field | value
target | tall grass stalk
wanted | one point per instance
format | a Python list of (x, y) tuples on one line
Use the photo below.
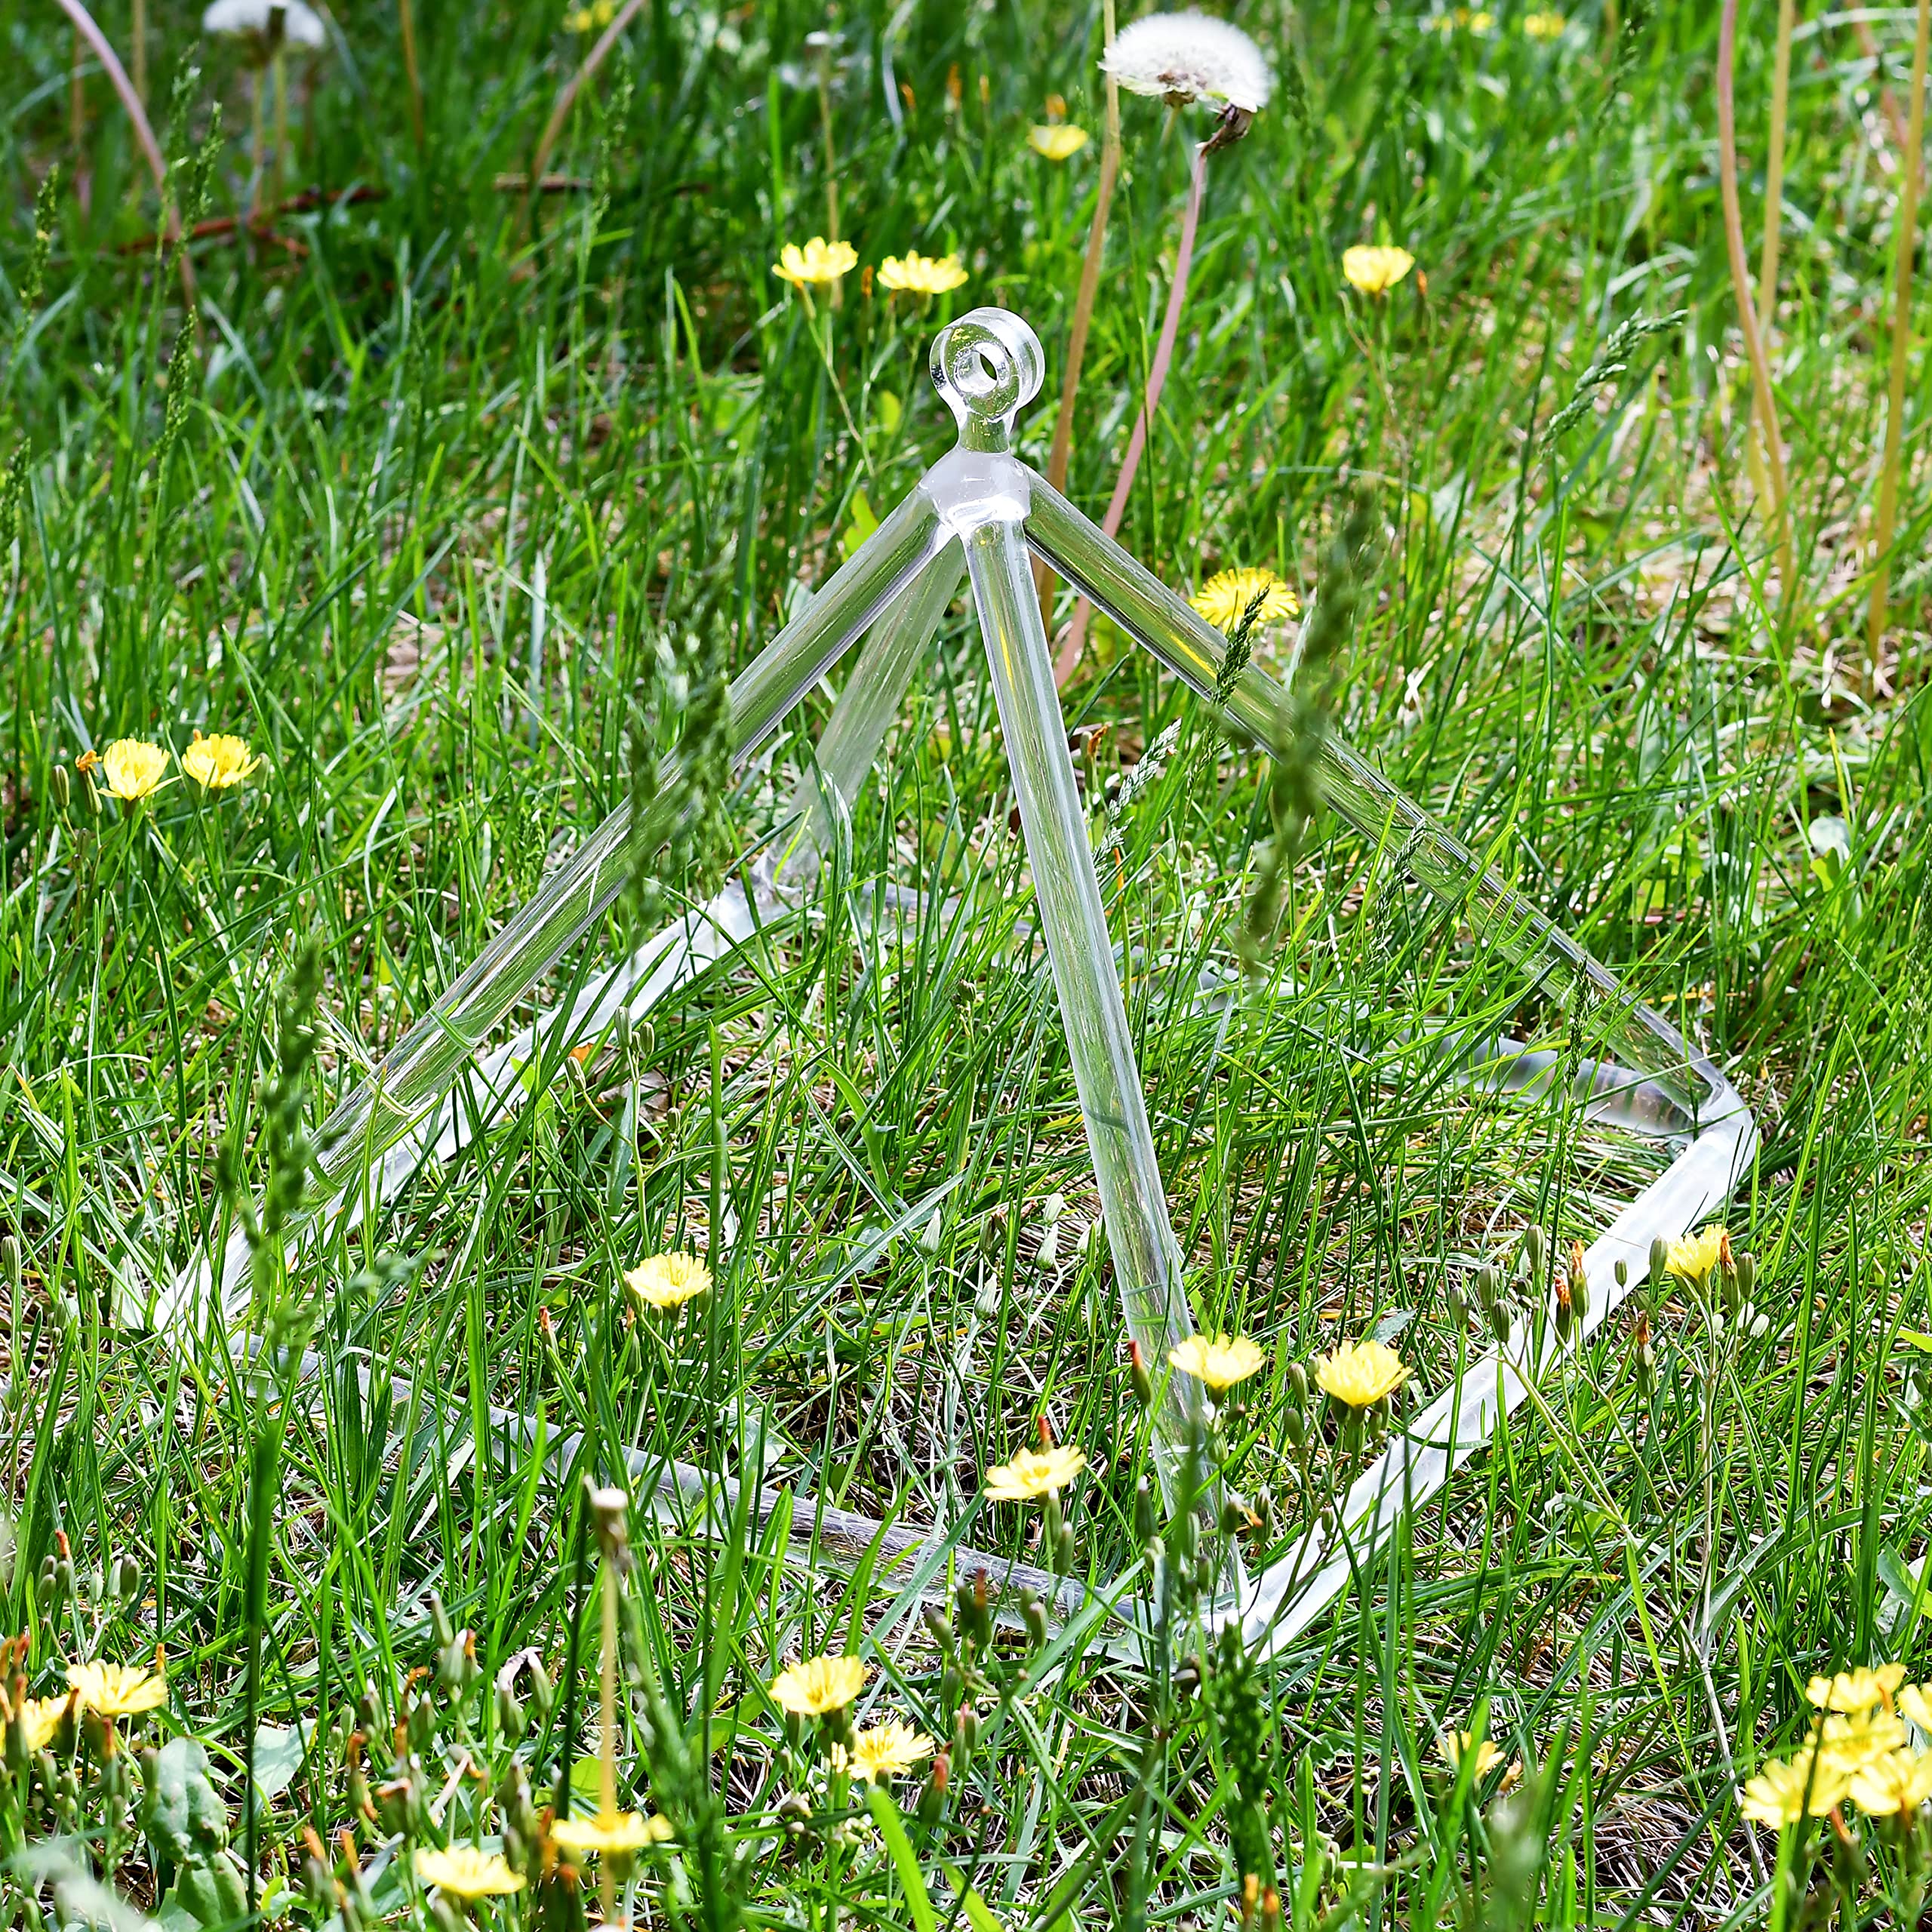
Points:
[(1062, 451), (1776, 507), (406, 18), (1767, 260), (1904, 243), (560, 114)]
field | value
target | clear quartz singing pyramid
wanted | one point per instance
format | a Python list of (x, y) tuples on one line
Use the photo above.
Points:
[(1664, 1120)]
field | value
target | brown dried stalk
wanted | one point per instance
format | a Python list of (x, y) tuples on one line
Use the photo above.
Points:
[(1903, 243), (1740, 283), (1061, 454), (566, 100)]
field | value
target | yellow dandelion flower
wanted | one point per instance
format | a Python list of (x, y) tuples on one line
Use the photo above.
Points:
[(1060, 142), (810, 1689), (1452, 1744), (668, 1281), (1900, 1781), (1361, 1372), (1693, 1258), (1376, 271), (1914, 1701), (1224, 599), (1033, 1473), (915, 274), (1544, 27), (1854, 1690), (610, 1832), (133, 768), (1476, 19), (1854, 1741), (41, 1719), (1787, 1788), (885, 1751), (1219, 1360), (117, 1690), (818, 261), (215, 763), (465, 1872)]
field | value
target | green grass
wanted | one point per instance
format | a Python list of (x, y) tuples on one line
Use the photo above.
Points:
[(437, 495)]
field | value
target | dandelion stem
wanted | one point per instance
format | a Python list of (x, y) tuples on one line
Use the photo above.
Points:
[(1740, 283), (1905, 237), (607, 1717), (89, 30), (1062, 451), (1157, 378)]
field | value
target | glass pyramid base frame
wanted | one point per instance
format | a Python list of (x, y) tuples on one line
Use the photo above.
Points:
[(982, 510)]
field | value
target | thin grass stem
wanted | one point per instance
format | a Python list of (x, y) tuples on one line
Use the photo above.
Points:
[(406, 16), (560, 114), (1740, 283), (1062, 451), (1905, 240)]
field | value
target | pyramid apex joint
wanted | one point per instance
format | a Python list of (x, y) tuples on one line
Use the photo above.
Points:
[(988, 365)]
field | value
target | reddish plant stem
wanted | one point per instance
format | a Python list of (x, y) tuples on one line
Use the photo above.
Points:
[(1062, 452), (1903, 244), (1157, 378)]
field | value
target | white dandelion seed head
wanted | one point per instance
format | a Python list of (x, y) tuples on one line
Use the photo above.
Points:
[(1189, 57), (248, 19)]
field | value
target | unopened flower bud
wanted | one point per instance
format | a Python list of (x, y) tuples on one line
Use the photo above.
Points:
[(1298, 1384), (440, 1618), (1064, 1551), (124, 1578), (939, 1624), (610, 1515), (63, 788), (1144, 1517), (1143, 1381), (934, 1229), (1659, 1260), (393, 1805), (1036, 1622), (932, 1798), (542, 1693), (1536, 1251), (510, 1719), (1745, 1269)]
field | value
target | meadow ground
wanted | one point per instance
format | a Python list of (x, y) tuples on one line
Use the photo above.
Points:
[(453, 502)]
